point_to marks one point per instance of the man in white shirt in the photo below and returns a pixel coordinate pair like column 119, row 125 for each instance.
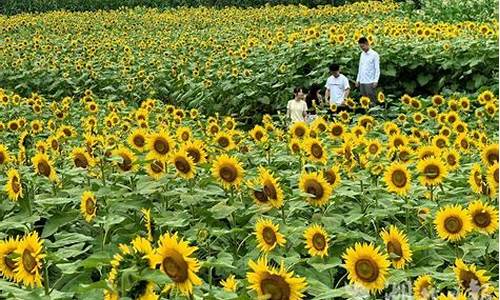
column 337, row 86
column 369, row 70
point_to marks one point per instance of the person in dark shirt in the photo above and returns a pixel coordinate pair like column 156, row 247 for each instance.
column 313, row 98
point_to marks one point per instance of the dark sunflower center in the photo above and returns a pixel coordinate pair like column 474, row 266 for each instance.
column 337, row 130
column 321, row 127
column 81, row 161
column 319, row 241
column 451, row 159
column 314, row 188
column 139, row 141
column 495, row 175
column 440, row 143
column 185, row 136
column 260, row 196
column 54, row 144
column 126, row 163
column 295, row 148
column 259, row 135
column 394, row 247
column 373, row 148
column 275, row 288
column 404, row 156
column 431, row 171
column 16, row 187
column 492, row 157
column 161, row 146
column 223, row 141
column 270, row 190
column 317, row 150
column 29, row 262
column 399, row 178
column 157, row 166
column 453, row 224
column 194, row 154
column 367, row 270
column 44, row 168
column 10, row 263
column 175, row 266
column 228, row 173
column 300, row 131
column 330, row 176
column 269, row 235
column 2, row 158
column 398, row 142
column 482, row 219
column 214, row 129
column 467, row 278
column 90, row 206
column 477, row 179
column 67, row 132
column 182, row 165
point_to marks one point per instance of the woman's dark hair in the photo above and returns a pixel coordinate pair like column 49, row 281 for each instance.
column 334, row 67
column 297, row 89
column 312, row 94
column 362, row 40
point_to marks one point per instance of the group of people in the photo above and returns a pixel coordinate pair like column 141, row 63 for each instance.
column 337, row 87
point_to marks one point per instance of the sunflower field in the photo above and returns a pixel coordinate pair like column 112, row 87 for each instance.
column 125, row 176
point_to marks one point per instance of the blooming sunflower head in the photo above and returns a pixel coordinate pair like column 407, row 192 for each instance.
column 452, row 222
column 484, row 217
column 397, row 246
column 317, row 187
column 366, row 266
column 88, row 206
column 397, row 177
column 316, row 240
column 29, row 261
column 228, row 171
column 268, row 235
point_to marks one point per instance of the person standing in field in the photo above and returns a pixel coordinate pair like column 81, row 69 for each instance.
column 368, row 71
column 313, row 99
column 337, row 87
column 296, row 110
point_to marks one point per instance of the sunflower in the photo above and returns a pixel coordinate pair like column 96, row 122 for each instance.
column 43, row 166
column 228, row 171
column 268, row 236
column 160, row 143
column 316, row 240
column 224, row 140
column 183, row 164
column 259, row 134
column 366, row 266
column 432, row 171
column 429, row 151
column 453, row 222
column 299, row 130
column 183, row 134
column 257, row 192
column 174, row 257
column 423, row 287
column 452, row 159
column 397, row 246
column 295, row 145
column 489, row 154
column 397, row 140
column 337, row 130
column 155, row 167
column 440, row 141
column 212, row 129
column 492, row 177
column 230, row 284
column 380, row 97
column 4, row 155
column 365, row 102
column 476, row 179
column 332, row 176
column 271, row 188
column 125, row 159
column 13, row 186
column 469, row 278
column 404, row 154
column 88, row 206
column 36, row 126
column 81, row 158
column 29, row 260
column 484, row 217
column 319, row 124
column 344, row 116
column 398, row 179
column 273, row 283
column 137, row 139
column 319, row 189
column 315, row 151
column 373, row 147
column 196, row 150
column 7, row 263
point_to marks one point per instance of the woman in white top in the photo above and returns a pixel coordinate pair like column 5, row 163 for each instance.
column 296, row 109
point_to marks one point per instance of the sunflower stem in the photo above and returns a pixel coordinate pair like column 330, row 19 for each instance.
column 407, row 212
column 102, row 172
column 46, row 278
column 283, row 214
